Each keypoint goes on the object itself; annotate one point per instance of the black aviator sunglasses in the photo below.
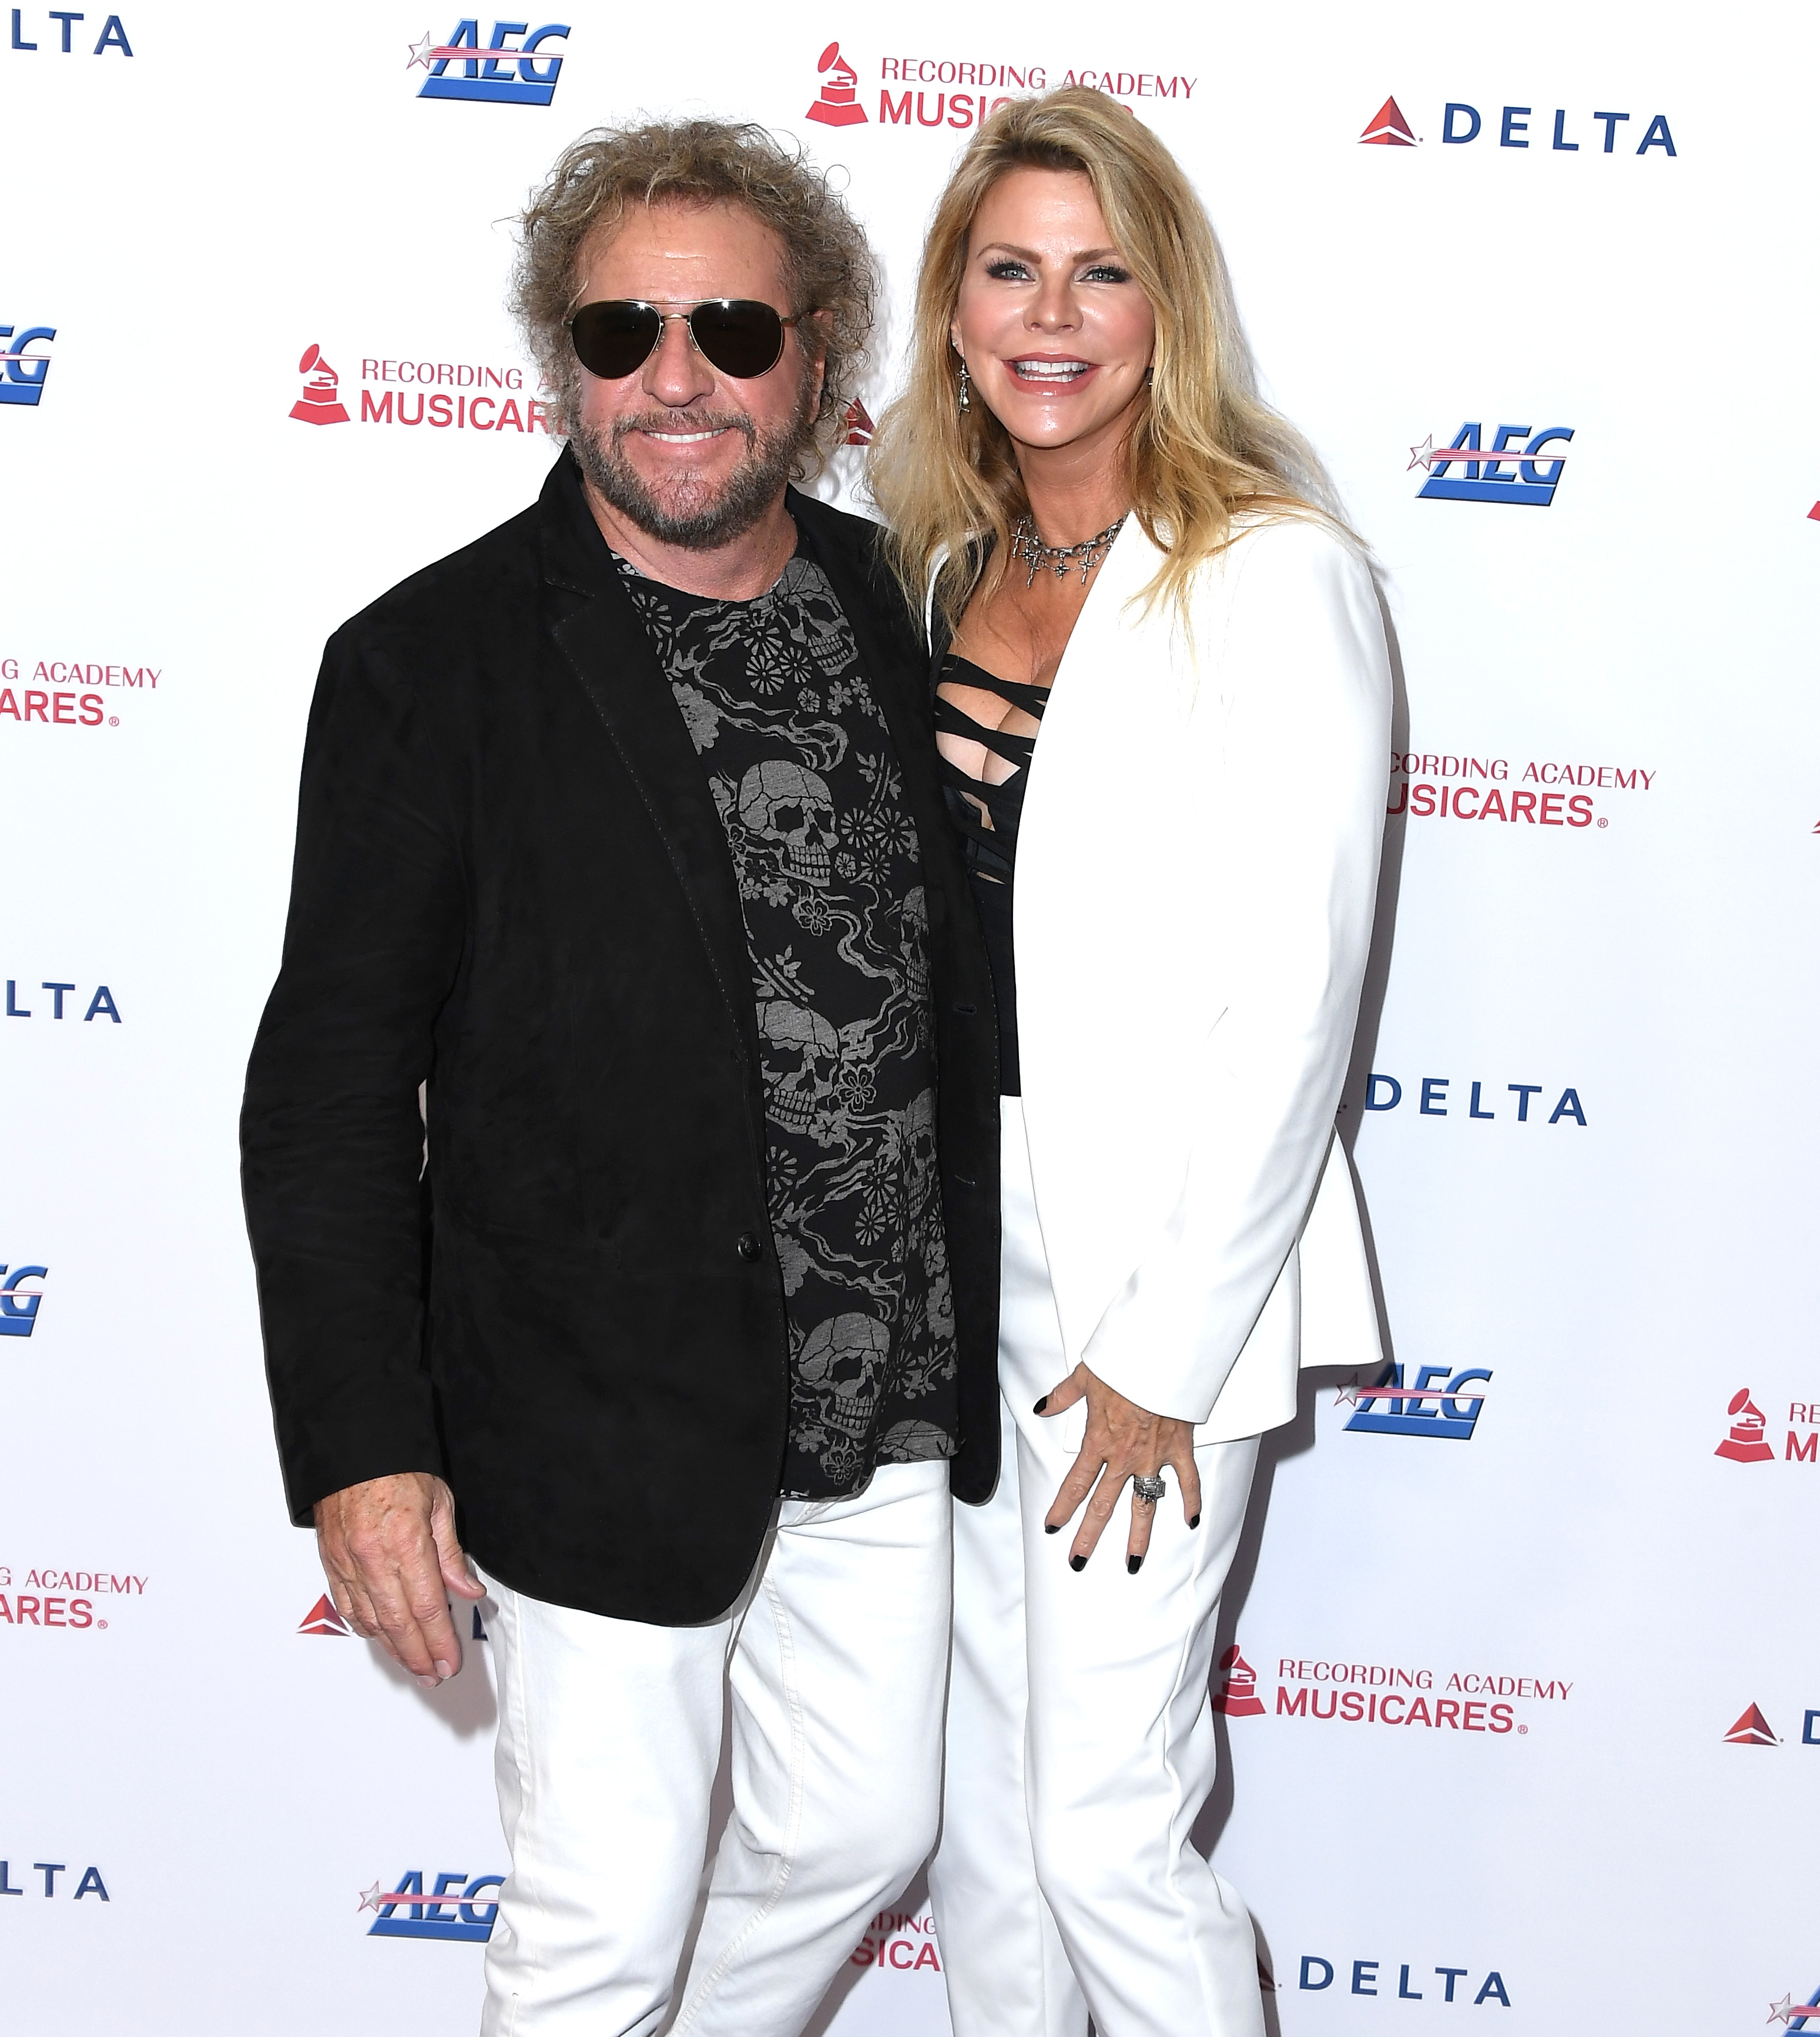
(739, 336)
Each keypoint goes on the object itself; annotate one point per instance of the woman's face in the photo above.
(1054, 331)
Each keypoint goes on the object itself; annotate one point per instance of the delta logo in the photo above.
(1463, 1701)
(1797, 2015)
(457, 1911)
(90, 1884)
(458, 395)
(1747, 1441)
(100, 1005)
(1391, 1408)
(1751, 1727)
(323, 1618)
(1318, 1973)
(1485, 1104)
(500, 72)
(1461, 123)
(23, 356)
(113, 32)
(1531, 481)
(988, 84)
(19, 1304)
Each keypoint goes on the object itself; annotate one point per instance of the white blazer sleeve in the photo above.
(1290, 730)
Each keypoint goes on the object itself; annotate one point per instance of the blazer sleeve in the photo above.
(1290, 733)
(332, 1143)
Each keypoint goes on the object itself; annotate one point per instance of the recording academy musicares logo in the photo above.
(1747, 1441)
(1539, 793)
(966, 89)
(1461, 123)
(458, 395)
(46, 1595)
(1462, 1700)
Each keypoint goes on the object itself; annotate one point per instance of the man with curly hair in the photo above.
(611, 1221)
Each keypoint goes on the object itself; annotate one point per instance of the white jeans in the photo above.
(1080, 1743)
(610, 1736)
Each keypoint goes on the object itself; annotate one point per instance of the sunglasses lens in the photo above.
(742, 338)
(612, 339)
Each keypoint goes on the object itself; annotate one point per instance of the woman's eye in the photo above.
(1105, 272)
(1007, 272)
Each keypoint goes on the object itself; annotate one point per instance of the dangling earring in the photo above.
(965, 401)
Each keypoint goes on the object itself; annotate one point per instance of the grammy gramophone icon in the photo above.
(319, 404)
(839, 104)
(1745, 1445)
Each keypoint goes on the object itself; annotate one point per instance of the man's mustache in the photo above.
(683, 420)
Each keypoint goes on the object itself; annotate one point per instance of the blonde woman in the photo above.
(1163, 704)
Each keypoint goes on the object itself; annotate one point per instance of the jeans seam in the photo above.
(793, 1818)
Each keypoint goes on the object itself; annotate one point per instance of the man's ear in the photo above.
(823, 321)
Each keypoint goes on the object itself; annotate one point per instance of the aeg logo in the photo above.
(1391, 1408)
(24, 381)
(481, 75)
(456, 1909)
(1482, 477)
(19, 1305)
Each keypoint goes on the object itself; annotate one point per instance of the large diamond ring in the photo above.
(1150, 1490)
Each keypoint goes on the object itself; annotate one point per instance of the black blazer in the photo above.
(511, 883)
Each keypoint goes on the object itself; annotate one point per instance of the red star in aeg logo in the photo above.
(1797, 2015)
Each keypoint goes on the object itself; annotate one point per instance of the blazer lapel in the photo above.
(606, 646)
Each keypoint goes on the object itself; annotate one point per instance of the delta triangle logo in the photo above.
(1388, 128)
(1238, 1697)
(322, 1618)
(1745, 1444)
(1752, 1730)
(839, 104)
(860, 425)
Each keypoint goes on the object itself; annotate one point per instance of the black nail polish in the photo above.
(1195, 1522)
(1055, 1530)
(1077, 1562)
(1134, 1564)
(1040, 1405)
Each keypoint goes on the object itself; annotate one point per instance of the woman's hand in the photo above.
(1123, 1440)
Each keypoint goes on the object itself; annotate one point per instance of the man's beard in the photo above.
(691, 513)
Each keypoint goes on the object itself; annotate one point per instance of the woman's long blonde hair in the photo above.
(1204, 446)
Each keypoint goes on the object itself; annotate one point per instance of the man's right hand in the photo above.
(390, 1550)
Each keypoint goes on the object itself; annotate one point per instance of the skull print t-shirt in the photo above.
(807, 783)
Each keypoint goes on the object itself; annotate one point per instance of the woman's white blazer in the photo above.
(1196, 870)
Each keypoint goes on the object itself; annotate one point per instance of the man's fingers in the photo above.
(457, 1572)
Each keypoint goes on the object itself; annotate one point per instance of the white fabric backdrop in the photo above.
(198, 198)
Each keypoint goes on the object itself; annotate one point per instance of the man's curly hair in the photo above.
(827, 265)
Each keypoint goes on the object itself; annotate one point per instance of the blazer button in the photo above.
(750, 1248)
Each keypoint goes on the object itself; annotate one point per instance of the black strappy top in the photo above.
(990, 840)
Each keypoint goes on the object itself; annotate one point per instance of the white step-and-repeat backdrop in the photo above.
(1523, 1698)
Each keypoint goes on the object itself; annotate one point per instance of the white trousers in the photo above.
(1080, 1744)
(609, 1737)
